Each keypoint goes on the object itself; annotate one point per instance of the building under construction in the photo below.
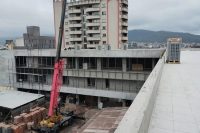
(99, 70)
(100, 75)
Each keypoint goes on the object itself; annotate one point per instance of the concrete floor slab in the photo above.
(177, 104)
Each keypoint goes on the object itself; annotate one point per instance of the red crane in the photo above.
(58, 67)
(57, 120)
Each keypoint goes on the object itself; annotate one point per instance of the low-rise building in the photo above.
(100, 74)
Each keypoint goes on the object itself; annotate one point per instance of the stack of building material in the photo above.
(38, 114)
(1, 127)
(18, 119)
(43, 112)
(137, 67)
(27, 118)
(5, 128)
(70, 107)
(21, 122)
(16, 129)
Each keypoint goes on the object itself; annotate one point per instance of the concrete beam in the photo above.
(81, 91)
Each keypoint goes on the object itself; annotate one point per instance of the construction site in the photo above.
(86, 88)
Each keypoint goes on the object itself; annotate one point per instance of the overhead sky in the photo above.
(170, 15)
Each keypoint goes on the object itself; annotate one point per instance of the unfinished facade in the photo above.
(90, 23)
(86, 73)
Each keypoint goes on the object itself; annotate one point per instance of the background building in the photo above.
(90, 23)
(33, 40)
(9, 44)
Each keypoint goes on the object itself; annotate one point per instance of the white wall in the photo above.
(19, 42)
(113, 25)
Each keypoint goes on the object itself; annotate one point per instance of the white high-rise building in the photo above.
(90, 23)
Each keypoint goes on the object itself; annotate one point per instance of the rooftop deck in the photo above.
(177, 107)
(168, 102)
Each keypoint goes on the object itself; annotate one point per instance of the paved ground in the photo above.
(177, 107)
(105, 121)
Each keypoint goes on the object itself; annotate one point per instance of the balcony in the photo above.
(92, 24)
(75, 32)
(124, 2)
(124, 16)
(92, 9)
(85, 2)
(93, 38)
(93, 17)
(125, 38)
(75, 25)
(124, 24)
(124, 31)
(75, 18)
(124, 9)
(141, 76)
(74, 11)
(93, 31)
(75, 39)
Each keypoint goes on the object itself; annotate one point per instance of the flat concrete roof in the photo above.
(14, 99)
(130, 53)
(177, 106)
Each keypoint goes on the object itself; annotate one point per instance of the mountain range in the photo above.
(160, 36)
(151, 36)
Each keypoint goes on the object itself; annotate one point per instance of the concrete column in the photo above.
(77, 63)
(77, 100)
(124, 64)
(67, 99)
(98, 63)
(123, 103)
(35, 61)
(100, 104)
(153, 63)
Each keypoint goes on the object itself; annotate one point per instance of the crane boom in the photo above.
(58, 67)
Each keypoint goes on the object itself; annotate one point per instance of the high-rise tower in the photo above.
(90, 23)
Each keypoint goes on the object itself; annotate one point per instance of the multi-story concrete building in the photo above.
(90, 23)
(88, 74)
(33, 40)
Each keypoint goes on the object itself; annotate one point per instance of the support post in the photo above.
(98, 63)
(100, 104)
(76, 63)
(153, 63)
(77, 100)
(123, 103)
(124, 64)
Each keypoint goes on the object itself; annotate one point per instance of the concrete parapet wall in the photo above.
(138, 116)
(130, 53)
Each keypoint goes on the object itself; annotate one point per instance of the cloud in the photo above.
(16, 15)
(170, 15)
